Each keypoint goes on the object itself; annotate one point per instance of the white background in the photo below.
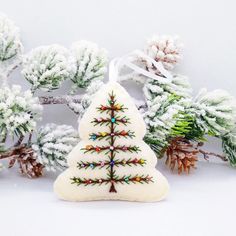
(202, 203)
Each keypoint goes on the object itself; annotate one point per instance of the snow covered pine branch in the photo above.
(53, 144)
(172, 112)
(177, 123)
(10, 46)
(45, 68)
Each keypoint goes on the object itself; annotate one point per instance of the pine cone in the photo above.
(26, 158)
(182, 154)
(165, 49)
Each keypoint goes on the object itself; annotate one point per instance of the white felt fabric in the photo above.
(152, 191)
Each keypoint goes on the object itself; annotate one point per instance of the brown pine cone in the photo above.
(26, 158)
(182, 154)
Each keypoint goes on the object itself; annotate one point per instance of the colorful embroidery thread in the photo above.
(113, 110)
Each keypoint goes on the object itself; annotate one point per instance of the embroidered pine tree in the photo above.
(111, 161)
(112, 109)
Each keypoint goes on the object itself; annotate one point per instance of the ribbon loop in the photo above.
(113, 70)
(127, 61)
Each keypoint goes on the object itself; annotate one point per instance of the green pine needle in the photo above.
(156, 145)
(229, 147)
(186, 127)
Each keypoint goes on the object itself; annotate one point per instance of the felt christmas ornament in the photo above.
(112, 161)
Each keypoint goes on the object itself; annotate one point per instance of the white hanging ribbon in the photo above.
(126, 60)
(113, 70)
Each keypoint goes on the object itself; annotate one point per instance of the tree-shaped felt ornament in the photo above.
(112, 161)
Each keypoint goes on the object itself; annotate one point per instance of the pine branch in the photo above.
(229, 147)
(20, 112)
(91, 64)
(10, 43)
(30, 138)
(9, 153)
(3, 138)
(12, 69)
(49, 100)
(207, 154)
(53, 144)
(12, 152)
(47, 67)
(21, 138)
